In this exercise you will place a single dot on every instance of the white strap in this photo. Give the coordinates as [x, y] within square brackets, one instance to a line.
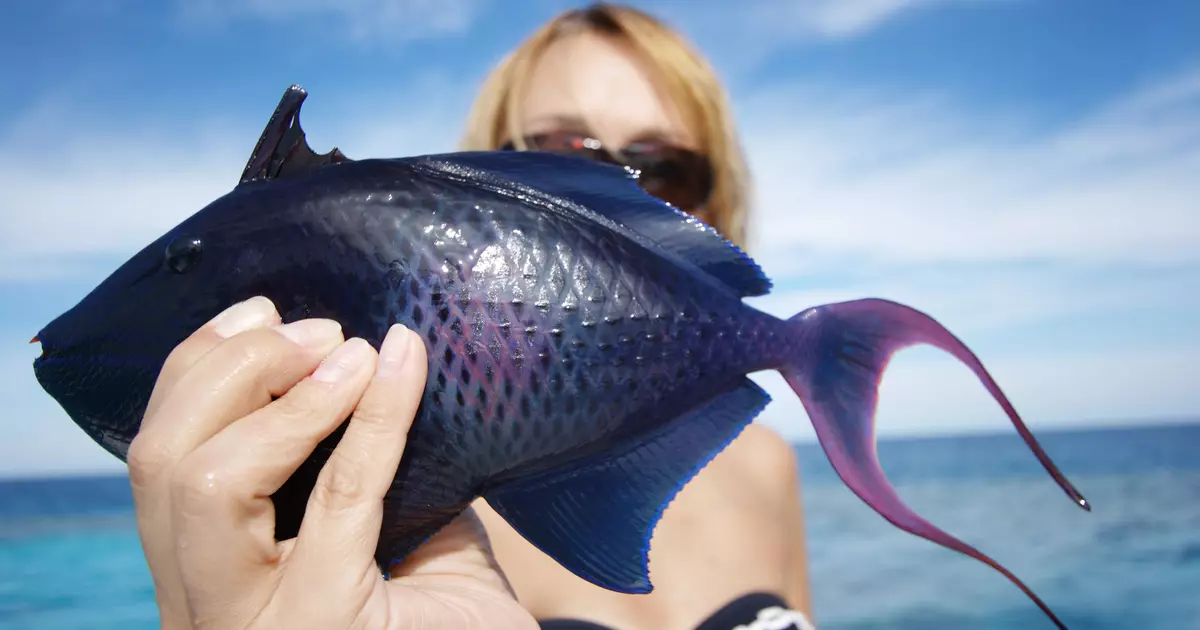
[778, 618]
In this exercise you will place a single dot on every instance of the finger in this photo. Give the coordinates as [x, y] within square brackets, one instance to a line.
[256, 312]
[221, 493]
[233, 379]
[145, 457]
[342, 522]
[146, 463]
[173, 431]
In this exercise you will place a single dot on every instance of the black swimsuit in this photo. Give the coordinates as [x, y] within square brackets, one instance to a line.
[753, 611]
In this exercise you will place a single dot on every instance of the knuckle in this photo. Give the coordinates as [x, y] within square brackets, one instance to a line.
[181, 359]
[146, 460]
[270, 355]
[300, 414]
[194, 487]
[256, 356]
[343, 483]
[298, 405]
[372, 416]
[190, 350]
[253, 350]
[385, 411]
[183, 354]
[278, 424]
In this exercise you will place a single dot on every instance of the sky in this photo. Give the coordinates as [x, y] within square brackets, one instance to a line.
[1027, 172]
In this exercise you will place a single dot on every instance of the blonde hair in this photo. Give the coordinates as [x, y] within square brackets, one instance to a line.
[681, 73]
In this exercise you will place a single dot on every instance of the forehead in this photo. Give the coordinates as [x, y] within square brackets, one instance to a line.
[601, 85]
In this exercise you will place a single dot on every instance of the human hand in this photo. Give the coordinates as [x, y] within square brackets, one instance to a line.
[213, 448]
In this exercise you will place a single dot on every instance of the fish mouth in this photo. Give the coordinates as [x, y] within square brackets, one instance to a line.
[43, 350]
[47, 350]
[52, 357]
[56, 361]
[53, 349]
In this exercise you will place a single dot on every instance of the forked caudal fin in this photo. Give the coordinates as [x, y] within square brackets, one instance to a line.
[842, 352]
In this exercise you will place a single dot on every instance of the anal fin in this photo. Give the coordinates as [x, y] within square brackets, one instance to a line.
[596, 517]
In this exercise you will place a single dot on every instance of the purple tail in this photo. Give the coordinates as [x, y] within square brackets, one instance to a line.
[844, 349]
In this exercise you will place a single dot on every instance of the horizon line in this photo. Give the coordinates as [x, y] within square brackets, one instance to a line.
[1099, 426]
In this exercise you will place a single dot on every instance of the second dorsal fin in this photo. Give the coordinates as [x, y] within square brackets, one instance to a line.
[612, 192]
[282, 150]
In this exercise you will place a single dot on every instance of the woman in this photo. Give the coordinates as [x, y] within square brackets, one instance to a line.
[245, 398]
[613, 83]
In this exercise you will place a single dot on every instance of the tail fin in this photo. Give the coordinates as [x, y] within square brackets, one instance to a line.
[844, 349]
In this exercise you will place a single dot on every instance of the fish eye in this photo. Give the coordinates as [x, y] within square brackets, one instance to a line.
[183, 253]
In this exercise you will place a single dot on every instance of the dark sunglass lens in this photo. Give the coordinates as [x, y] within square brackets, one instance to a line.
[680, 178]
[677, 176]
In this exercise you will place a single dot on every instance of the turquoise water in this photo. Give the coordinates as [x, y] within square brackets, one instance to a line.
[70, 558]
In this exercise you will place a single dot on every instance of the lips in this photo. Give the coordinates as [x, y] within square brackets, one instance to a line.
[37, 339]
[47, 350]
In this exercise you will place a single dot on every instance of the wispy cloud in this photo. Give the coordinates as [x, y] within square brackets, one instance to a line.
[738, 36]
[989, 302]
[392, 21]
[1000, 229]
[834, 19]
[891, 178]
[981, 219]
[109, 191]
[843, 178]
[384, 21]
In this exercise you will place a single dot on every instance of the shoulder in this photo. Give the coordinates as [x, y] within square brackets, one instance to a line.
[760, 463]
[770, 464]
[764, 455]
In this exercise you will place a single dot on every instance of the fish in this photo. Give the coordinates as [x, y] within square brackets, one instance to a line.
[589, 346]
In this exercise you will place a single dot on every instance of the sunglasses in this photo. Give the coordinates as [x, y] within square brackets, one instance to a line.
[678, 176]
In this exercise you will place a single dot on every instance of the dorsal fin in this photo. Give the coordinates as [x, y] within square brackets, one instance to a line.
[612, 192]
[282, 150]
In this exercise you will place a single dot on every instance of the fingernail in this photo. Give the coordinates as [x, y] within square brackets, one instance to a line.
[393, 354]
[312, 332]
[344, 361]
[243, 316]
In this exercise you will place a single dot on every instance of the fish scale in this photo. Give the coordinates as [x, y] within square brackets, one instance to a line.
[516, 331]
[588, 345]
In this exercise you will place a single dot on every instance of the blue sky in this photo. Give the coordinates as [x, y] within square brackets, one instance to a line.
[1024, 171]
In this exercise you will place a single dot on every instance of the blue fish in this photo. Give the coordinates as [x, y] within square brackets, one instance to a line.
[588, 344]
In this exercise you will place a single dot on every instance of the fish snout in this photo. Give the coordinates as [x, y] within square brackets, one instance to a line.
[43, 349]
[46, 345]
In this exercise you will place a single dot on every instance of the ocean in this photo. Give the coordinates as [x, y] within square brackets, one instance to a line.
[70, 558]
